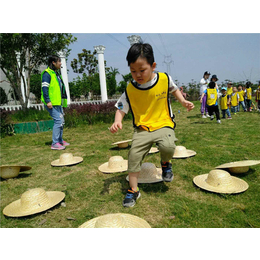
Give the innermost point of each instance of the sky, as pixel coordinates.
(185, 56)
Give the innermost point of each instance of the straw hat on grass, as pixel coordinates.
(154, 150)
(33, 201)
(116, 220)
(181, 152)
(238, 167)
(114, 164)
(12, 171)
(67, 159)
(149, 174)
(220, 181)
(123, 144)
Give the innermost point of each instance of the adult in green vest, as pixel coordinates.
(54, 97)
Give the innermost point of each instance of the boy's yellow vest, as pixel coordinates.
(151, 107)
(223, 103)
(212, 96)
(234, 102)
(229, 91)
(249, 93)
(258, 94)
(241, 95)
(54, 90)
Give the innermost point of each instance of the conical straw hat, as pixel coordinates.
(181, 152)
(122, 144)
(116, 220)
(12, 171)
(238, 167)
(221, 182)
(67, 159)
(154, 150)
(33, 201)
(114, 164)
(149, 174)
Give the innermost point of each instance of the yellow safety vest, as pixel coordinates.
(212, 96)
(229, 91)
(223, 103)
(234, 102)
(258, 94)
(151, 107)
(248, 93)
(241, 95)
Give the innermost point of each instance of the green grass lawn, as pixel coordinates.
(90, 193)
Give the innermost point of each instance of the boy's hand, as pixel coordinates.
(188, 105)
(114, 128)
(49, 105)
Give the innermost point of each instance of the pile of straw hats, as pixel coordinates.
(181, 152)
(67, 159)
(220, 181)
(123, 144)
(114, 164)
(149, 174)
(12, 171)
(33, 201)
(238, 167)
(116, 220)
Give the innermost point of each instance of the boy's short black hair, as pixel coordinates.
(142, 50)
(212, 84)
(52, 58)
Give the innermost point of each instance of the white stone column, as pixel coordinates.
(102, 75)
(134, 39)
(18, 54)
(64, 74)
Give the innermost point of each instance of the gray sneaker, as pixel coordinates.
(57, 146)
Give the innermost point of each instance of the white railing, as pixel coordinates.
(41, 106)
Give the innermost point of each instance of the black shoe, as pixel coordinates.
(167, 172)
(131, 198)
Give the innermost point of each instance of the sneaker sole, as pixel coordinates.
(168, 180)
(132, 204)
(57, 148)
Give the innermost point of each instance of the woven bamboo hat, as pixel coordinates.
(116, 220)
(221, 182)
(12, 171)
(33, 201)
(67, 159)
(154, 150)
(238, 167)
(123, 144)
(181, 152)
(149, 174)
(114, 164)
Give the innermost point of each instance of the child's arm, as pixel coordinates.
(182, 100)
(118, 121)
(202, 96)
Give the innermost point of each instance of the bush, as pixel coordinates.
(6, 125)
(3, 97)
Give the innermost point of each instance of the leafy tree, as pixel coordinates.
(33, 49)
(123, 84)
(111, 81)
(36, 86)
(3, 97)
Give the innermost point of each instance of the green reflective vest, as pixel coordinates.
(54, 90)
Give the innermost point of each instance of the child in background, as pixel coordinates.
(224, 102)
(212, 103)
(248, 96)
(147, 97)
(234, 100)
(241, 98)
(257, 97)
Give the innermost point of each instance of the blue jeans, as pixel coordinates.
(57, 114)
(234, 109)
(243, 106)
(224, 113)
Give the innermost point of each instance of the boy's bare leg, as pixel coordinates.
(133, 180)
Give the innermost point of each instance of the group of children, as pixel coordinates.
(231, 97)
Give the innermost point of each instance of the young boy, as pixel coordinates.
(147, 97)
(212, 103)
(241, 98)
(203, 85)
(234, 100)
(224, 102)
(248, 96)
(257, 97)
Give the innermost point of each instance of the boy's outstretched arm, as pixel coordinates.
(118, 121)
(183, 101)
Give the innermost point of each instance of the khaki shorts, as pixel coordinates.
(142, 142)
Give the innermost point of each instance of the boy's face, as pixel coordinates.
(239, 88)
(57, 64)
(223, 91)
(142, 71)
(234, 89)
